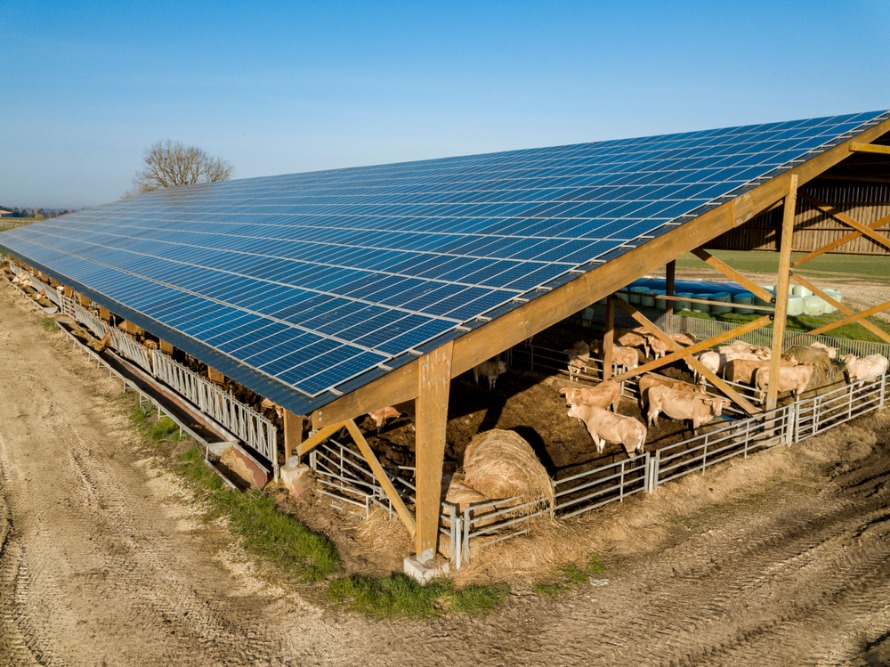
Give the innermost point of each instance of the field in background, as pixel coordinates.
(825, 266)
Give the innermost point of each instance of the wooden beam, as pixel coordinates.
(746, 405)
(697, 347)
(880, 149)
(104, 314)
(293, 433)
(381, 476)
(434, 382)
(783, 282)
(670, 279)
(732, 274)
(875, 329)
(540, 313)
(609, 337)
(865, 230)
(851, 319)
(319, 437)
(214, 375)
(839, 242)
(711, 302)
(166, 347)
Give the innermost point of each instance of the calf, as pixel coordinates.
(606, 427)
(742, 370)
(490, 369)
(650, 380)
(830, 351)
(710, 360)
(791, 378)
(864, 367)
(604, 395)
(625, 356)
(694, 407)
(579, 355)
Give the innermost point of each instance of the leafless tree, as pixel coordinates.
(169, 163)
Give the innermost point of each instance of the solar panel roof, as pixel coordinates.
(304, 286)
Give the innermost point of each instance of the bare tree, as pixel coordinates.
(169, 163)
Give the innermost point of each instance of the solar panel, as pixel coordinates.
(300, 284)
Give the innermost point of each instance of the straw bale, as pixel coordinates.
(461, 494)
(501, 464)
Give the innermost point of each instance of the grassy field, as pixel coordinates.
(843, 266)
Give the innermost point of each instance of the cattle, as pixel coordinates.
(694, 407)
(625, 356)
(830, 351)
(791, 378)
(658, 347)
(742, 370)
(857, 369)
(650, 380)
(380, 415)
(684, 339)
(579, 355)
(604, 395)
(604, 427)
(631, 338)
(710, 360)
(490, 369)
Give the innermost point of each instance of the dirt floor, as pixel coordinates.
(781, 559)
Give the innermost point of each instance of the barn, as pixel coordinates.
(335, 293)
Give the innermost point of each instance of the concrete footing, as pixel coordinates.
(295, 477)
(425, 572)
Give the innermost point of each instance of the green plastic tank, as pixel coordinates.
(702, 307)
(680, 304)
(724, 297)
(741, 301)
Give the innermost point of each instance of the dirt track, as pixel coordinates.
(104, 561)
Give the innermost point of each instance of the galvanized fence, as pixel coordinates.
(247, 424)
(708, 328)
(343, 473)
(251, 427)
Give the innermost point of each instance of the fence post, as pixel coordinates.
(650, 480)
(883, 389)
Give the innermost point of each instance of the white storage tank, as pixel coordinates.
(795, 305)
(814, 305)
(834, 294)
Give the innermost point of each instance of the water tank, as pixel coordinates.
(724, 297)
(795, 305)
(647, 298)
(661, 304)
(743, 299)
(814, 305)
(636, 295)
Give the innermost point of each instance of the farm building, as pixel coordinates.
(336, 293)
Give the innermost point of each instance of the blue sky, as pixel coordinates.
(283, 87)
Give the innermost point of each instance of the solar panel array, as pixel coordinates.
(304, 286)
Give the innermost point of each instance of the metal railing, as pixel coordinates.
(600, 486)
(250, 426)
(820, 413)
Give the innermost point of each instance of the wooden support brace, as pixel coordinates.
(381, 476)
(859, 147)
(215, 376)
(839, 242)
(865, 230)
(434, 382)
(732, 274)
(166, 348)
(104, 314)
(876, 330)
(609, 337)
(783, 281)
(851, 319)
(293, 433)
(684, 353)
(319, 437)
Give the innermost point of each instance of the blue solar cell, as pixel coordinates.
(316, 278)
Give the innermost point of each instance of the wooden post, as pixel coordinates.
(293, 433)
(214, 375)
(609, 337)
(83, 300)
(166, 348)
(670, 275)
(104, 314)
(434, 381)
(783, 280)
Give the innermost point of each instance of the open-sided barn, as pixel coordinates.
(340, 292)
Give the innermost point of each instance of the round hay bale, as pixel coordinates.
(461, 494)
(501, 464)
(824, 371)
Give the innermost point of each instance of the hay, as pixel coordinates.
(501, 464)
(461, 494)
(824, 370)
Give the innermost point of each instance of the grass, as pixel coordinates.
(401, 596)
(49, 324)
(303, 555)
(866, 267)
(572, 575)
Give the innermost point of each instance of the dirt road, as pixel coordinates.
(103, 560)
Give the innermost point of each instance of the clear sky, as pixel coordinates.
(283, 87)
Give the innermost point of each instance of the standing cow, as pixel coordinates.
(604, 427)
